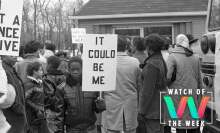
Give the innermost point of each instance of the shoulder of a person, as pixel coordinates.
(18, 64)
(151, 65)
(134, 60)
(171, 57)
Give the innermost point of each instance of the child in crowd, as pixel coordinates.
(80, 107)
(34, 96)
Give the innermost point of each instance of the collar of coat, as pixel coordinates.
(38, 81)
(31, 56)
(122, 54)
(153, 56)
(182, 50)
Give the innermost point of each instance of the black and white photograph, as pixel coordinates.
(109, 66)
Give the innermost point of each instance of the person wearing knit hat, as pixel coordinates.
(182, 41)
(184, 73)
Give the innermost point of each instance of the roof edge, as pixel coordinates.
(163, 14)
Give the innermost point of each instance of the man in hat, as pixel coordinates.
(191, 39)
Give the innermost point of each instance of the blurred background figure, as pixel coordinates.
(165, 49)
(49, 50)
(140, 48)
(64, 62)
(31, 50)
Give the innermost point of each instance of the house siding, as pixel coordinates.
(194, 25)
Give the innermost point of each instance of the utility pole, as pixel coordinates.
(35, 18)
(0, 4)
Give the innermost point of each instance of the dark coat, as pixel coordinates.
(154, 81)
(79, 108)
(54, 102)
(34, 96)
(16, 114)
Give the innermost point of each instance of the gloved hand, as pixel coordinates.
(100, 105)
(40, 114)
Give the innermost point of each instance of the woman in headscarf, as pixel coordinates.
(184, 73)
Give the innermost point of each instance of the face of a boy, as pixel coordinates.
(39, 73)
(75, 69)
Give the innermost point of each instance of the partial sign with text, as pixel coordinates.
(10, 26)
(78, 35)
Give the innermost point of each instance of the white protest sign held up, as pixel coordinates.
(10, 26)
(99, 62)
(78, 34)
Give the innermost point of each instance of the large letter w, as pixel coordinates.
(182, 106)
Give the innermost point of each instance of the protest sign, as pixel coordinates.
(10, 26)
(77, 34)
(99, 62)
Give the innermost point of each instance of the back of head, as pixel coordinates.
(61, 54)
(53, 62)
(50, 46)
(32, 47)
(139, 43)
(167, 43)
(182, 40)
(122, 44)
(154, 42)
(35, 66)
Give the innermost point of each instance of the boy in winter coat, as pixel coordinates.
(34, 97)
(80, 107)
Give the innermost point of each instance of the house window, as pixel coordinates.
(165, 31)
(128, 32)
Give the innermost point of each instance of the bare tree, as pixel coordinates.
(51, 20)
(43, 5)
(26, 31)
(48, 20)
(36, 5)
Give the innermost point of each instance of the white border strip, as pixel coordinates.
(162, 14)
(162, 122)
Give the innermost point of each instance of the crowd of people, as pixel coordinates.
(44, 89)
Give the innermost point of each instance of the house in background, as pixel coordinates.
(142, 17)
